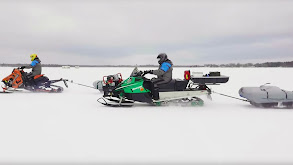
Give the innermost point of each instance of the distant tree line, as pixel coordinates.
(233, 65)
(266, 64)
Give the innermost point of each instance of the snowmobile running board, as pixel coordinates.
(174, 95)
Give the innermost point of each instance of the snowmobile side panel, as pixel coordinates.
(140, 97)
(164, 96)
(133, 85)
(14, 80)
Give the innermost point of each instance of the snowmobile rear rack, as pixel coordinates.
(211, 80)
(64, 81)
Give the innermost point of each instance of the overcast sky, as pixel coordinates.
(136, 31)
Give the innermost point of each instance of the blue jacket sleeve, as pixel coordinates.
(34, 63)
(165, 66)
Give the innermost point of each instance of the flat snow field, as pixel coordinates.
(72, 127)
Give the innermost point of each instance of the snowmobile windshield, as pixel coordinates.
(135, 72)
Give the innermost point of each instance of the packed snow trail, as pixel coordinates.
(72, 127)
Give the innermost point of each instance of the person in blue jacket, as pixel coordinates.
(36, 70)
(164, 73)
(35, 66)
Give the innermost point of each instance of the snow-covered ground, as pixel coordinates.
(72, 127)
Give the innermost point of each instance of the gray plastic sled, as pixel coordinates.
(267, 96)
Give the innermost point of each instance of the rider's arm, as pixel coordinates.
(33, 64)
(163, 69)
(158, 72)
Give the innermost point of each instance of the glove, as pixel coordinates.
(148, 71)
(22, 67)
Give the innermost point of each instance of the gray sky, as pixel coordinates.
(136, 31)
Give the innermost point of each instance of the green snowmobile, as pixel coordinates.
(139, 88)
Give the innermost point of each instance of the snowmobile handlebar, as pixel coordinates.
(141, 73)
(19, 68)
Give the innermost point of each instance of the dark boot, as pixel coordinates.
(156, 93)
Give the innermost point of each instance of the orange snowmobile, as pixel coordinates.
(18, 80)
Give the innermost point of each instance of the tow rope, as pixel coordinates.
(81, 84)
(230, 96)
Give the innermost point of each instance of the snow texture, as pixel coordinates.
(72, 127)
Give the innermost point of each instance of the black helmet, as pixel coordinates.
(162, 57)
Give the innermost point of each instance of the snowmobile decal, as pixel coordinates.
(38, 76)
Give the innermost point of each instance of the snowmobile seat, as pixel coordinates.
(180, 85)
(38, 76)
(170, 86)
(173, 85)
(42, 80)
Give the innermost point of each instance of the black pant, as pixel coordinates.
(155, 88)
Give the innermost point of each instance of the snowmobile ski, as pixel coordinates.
(10, 90)
(5, 92)
(115, 102)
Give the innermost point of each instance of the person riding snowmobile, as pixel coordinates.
(36, 69)
(164, 73)
(35, 66)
